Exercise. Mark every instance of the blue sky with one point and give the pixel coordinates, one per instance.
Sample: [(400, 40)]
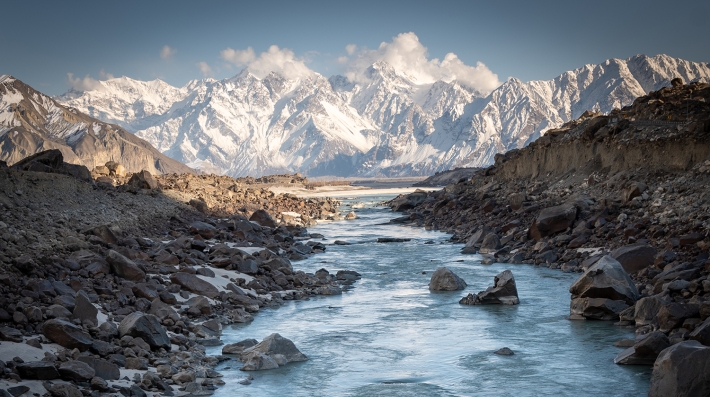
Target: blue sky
[(42, 41)]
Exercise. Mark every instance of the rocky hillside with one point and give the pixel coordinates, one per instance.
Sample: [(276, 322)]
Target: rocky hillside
[(31, 122), (115, 287), (386, 124), (631, 185)]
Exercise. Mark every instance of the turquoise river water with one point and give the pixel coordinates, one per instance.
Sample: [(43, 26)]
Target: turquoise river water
[(390, 336)]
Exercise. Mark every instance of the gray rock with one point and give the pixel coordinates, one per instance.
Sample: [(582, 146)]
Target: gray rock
[(644, 351), (147, 327), (136, 363), (444, 279), (10, 334), (104, 369), (552, 220), (702, 333), (238, 348), (647, 309), (203, 229), (77, 371), (263, 218), (504, 352), (124, 267), (84, 310), (194, 284), (273, 350), (503, 292), (64, 390), (40, 370), (58, 311), (162, 310), (491, 243), (603, 291), (682, 370), (66, 334), (635, 257)]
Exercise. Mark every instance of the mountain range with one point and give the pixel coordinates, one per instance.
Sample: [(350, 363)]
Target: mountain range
[(386, 124), (31, 122)]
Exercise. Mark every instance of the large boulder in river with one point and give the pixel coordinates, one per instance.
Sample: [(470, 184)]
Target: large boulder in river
[(444, 279), (66, 334), (147, 327), (552, 220), (682, 370), (272, 352), (603, 291), (194, 284), (124, 267), (644, 351), (503, 292), (634, 257)]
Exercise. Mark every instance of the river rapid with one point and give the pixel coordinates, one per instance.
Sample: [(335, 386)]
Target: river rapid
[(390, 336)]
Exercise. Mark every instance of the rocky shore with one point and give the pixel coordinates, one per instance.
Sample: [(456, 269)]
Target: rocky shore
[(113, 283), (612, 197)]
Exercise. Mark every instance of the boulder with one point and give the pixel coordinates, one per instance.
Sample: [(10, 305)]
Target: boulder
[(263, 218), (77, 371), (516, 201), (46, 161), (238, 348), (64, 390), (444, 279), (503, 292), (204, 229), (646, 310), (84, 310), (274, 349), (124, 267), (351, 215), (142, 180), (644, 351), (682, 370), (40, 370), (672, 315), (104, 233), (475, 241), (66, 334), (635, 257), (490, 244), (147, 327), (603, 291), (103, 369), (409, 201), (162, 310), (702, 333), (552, 220), (10, 334), (633, 190), (194, 284)]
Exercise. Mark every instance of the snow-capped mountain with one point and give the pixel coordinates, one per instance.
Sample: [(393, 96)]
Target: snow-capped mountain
[(385, 124), (31, 122)]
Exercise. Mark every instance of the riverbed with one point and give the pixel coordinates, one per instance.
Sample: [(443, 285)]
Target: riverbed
[(390, 336)]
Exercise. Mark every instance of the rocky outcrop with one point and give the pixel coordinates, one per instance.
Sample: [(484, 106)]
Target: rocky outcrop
[(444, 279), (682, 370), (603, 291), (274, 351), (503, 292)]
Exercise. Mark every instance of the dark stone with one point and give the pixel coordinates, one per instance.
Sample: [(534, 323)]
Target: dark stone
[(644, 351), (66, 334), (124, 267), (83, 308), (194, 284), (40, 370), (635, 257), (147, 327), (552, 220), (444, 279), (682, 370), (76, 371), (263, 218), (104, 369)]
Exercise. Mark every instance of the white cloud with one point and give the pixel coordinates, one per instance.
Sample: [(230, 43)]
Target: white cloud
[(87, 83), (205, 69), (408, 56), (167, 52), (282, 61)]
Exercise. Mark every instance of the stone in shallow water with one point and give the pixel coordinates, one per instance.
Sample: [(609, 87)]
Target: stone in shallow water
[(504, 352), (444, 279)]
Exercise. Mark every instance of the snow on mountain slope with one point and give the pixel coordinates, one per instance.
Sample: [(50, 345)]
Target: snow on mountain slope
[(31, 122), (385, 124)]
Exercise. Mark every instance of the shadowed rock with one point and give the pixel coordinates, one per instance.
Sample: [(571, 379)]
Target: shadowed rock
[(682, 370), (644, 351), (124, 267), (194, 284), (66, 334), (552, 220), (503, 292), (603, 291), (147, 327)]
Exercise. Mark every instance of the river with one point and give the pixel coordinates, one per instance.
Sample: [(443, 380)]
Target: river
[(390, 336)]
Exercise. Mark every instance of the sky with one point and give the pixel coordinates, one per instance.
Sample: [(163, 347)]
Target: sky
[(54, 46)]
